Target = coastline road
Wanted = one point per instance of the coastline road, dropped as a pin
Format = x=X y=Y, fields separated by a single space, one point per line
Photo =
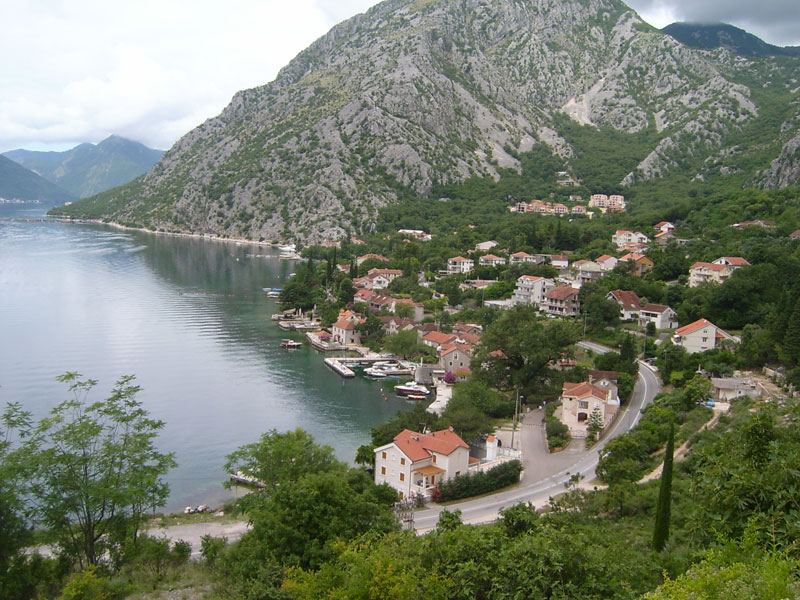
x=538 y=492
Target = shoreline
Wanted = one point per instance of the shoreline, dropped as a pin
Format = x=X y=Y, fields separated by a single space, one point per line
x=200 y=236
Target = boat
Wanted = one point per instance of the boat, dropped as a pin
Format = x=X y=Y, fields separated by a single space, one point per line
x=375 y=372
x=417 y=397
x=405 y=389
x=286 y=343
x=273 y=294
x=288 y=248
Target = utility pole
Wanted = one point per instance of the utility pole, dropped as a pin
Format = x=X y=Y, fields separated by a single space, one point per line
x=514 y=426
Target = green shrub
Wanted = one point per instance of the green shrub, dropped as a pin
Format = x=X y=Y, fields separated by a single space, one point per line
x=474 y=484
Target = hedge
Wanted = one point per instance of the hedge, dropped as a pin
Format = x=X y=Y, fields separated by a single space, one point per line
x=474 y=484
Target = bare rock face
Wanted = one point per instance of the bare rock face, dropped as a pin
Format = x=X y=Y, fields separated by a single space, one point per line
x=415 y=92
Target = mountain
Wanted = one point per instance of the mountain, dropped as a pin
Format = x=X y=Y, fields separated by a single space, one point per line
x=89 y=169
x=19 y=184
x=418 y=93
x=721 y=35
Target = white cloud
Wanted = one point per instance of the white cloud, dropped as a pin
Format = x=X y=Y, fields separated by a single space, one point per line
x=79 y=70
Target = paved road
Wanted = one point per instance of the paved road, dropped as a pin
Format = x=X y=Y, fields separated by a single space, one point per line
x=539 y=491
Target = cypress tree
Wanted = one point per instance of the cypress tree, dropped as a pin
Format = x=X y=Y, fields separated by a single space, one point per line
x=661 y=530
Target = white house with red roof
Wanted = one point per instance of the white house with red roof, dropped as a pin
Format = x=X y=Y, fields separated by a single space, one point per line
x=700 y=336
x=459 y=265
x=559 y=261
x=415 y=463
x=531 y=290
x=795 y=235
x=607 y=262
x=454 y=356
x=715 y=272
x=437 y=339
x=579 y=400
x=343 y=331
x=623 y=238
x=379 y=279
x=663 y=226
x=628 y=301
x=490 y=260
x=484 y=246
x=517 y=258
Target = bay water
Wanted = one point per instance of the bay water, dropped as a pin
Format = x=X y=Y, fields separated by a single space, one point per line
x=191 y=320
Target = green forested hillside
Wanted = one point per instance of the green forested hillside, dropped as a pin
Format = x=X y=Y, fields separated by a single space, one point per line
x=18 y=183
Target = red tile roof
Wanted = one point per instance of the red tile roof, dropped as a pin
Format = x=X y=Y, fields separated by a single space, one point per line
x=562 y=292
x=707 y=265
x=699 y=324
x=419 y=446
x=736 y=261
x=437 y=337
x=584 y=389
x=627 y=299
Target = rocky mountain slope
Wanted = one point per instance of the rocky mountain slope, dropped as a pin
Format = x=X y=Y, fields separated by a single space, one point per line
x=89 y=169
x=21 y=185
x=419 y=92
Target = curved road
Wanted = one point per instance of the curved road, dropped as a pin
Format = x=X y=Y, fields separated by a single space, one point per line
x=486 y=509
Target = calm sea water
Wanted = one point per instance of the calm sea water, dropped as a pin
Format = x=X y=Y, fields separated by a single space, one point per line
x=189 y=318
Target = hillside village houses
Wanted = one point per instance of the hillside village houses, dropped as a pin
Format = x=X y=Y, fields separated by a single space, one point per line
x=580 y=400
x=376 y=301
x=715 y=272
x=585 y=271
x=559 y=261
x=531 y=290
x=459 y=265
x=607 y=262
x=642 y=263
x=795 y=235
x=377 y=279
x=700 y=336
x=415 y=463
x=484 y=246
x=343 y=331
x=417 y=234
x=613 y=203
x=632 y=309
x=490 y=260
x=562 y=301
x=518 y=258
x=629 y=239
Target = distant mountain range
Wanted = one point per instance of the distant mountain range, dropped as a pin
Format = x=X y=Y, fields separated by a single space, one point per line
x=18 y=184
x=89 y=169
x=722 y=35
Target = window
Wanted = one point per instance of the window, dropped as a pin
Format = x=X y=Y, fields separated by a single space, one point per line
x=383 y=470
x=402 y=476
x=402 y=460
x=434 y=459
x=383 y=454
x=583 y=404
x=433 y=479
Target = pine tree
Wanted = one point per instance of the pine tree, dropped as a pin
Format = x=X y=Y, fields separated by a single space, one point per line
x=661 y=530
x=594 y=425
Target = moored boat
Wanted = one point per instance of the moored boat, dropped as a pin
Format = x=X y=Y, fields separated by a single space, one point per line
x=286 y=343
x=405 y=389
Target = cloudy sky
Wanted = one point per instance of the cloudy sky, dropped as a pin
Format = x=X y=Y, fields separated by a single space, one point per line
x=150 y=70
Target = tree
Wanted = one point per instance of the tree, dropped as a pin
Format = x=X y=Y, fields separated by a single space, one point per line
x=449 y=520
x=516 y=349
x=594 y=425
x=663 y=508
x=94 y=470
x=279 y=458
x=790 y=349
x=297 y=523
x=14 y=532
x=696 y=390
x=403 y=343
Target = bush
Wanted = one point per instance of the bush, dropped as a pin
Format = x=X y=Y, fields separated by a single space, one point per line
x=465 y=486
x=211 y=547
x=557 y=433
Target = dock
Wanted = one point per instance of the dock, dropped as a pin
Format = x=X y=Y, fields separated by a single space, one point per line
x=337 y=365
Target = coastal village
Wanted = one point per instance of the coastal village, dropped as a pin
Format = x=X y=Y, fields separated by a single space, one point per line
x=416 y=462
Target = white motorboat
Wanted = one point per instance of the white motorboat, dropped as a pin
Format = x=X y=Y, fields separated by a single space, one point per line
x=416 y=389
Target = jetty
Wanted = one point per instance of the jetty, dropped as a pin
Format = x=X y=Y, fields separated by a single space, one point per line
x=337 y=365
